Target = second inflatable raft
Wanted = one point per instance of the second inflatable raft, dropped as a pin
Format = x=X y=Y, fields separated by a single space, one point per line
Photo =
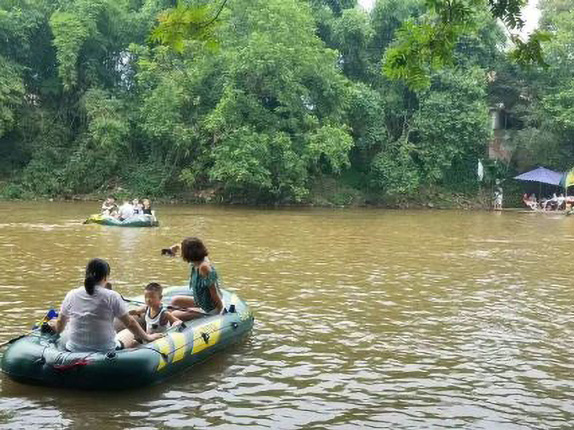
x=134 y=221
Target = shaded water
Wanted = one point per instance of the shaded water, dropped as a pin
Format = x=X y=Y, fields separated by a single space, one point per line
x=364 y=318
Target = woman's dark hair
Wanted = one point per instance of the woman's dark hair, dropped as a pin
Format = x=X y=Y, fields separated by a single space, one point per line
x=193 y=250
x=96 y=271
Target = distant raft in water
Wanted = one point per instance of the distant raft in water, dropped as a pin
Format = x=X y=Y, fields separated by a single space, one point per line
x=41 y=359
x=134 y=221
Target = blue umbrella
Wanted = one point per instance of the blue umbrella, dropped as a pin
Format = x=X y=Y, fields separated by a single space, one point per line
x=542 y=175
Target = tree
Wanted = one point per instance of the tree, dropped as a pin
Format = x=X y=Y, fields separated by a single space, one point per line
x=11 y=94
x=452 y=125
x=428 y=43
x=542 y=128
x=352 y=35
x=283 y=89
x=261 y=101
x=337 y=6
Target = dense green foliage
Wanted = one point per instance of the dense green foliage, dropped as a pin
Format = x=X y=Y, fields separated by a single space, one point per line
x=541 y=104
x=261 y=100
x=427 y=43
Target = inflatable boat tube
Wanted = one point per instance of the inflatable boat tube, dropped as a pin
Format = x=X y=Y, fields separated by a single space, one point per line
x=41 y=359
x=134 y=221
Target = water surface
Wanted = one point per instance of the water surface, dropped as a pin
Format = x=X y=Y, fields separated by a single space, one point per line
x=364 y=318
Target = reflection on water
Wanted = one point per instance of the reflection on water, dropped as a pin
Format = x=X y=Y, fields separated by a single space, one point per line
x=364 y=318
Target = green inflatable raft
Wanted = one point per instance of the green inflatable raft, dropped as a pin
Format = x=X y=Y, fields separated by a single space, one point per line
x=134 y=221
x=41 y=359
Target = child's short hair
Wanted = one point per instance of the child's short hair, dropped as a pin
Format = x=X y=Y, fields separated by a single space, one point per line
x=154 y=287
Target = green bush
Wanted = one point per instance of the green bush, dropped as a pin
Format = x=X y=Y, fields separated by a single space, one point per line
x=12 y=191
x=394 y=172
x=147 y=180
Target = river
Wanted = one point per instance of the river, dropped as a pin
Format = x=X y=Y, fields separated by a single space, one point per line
x=365 y=318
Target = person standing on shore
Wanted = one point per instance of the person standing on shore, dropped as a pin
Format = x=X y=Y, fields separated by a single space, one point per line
x=497 y=196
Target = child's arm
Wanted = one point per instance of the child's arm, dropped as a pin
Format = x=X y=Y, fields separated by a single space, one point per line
x=173 y=320
x=136 y=329
x=137 y=311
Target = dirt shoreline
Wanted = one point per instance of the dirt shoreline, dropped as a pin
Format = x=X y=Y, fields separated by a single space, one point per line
x=407 y=205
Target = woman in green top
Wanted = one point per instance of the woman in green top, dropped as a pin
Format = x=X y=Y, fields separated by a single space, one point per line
x=203 y=283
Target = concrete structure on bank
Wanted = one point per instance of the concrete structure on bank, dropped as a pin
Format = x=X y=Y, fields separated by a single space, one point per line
x=498 y=147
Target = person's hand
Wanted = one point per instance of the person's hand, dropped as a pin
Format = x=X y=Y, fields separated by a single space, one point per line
x=154 y=336
x=176 y=323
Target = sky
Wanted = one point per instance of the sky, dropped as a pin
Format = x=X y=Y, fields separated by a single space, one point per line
x=530 y=13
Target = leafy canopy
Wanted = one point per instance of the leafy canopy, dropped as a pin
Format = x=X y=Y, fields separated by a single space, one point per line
x=427 y=44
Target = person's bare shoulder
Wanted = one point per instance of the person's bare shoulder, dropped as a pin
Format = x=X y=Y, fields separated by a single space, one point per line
x=204 y=268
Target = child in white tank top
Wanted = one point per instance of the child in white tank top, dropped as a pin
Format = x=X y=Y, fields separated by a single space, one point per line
x=157 y=318
x=158 y=323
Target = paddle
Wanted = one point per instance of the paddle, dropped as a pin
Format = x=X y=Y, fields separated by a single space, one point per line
x=49 y=315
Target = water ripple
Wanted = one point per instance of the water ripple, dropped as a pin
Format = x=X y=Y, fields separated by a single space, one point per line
x=364 y=318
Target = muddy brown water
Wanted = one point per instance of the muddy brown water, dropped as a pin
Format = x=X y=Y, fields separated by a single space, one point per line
x=364 y=318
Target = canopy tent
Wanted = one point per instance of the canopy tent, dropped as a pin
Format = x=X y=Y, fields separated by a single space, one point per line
x=542 y=175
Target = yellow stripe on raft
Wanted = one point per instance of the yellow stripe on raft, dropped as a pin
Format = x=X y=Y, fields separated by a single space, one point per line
x=215 y=334
x=178 y=346
x=175 y=344
x=212 y=329
x=164 y=347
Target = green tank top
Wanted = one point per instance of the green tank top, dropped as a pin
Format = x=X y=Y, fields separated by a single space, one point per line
x=200 y=288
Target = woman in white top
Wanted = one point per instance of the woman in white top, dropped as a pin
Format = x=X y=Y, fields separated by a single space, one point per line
x=90 y=312
x=126 y=210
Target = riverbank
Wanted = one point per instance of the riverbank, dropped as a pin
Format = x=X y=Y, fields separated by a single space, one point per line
x=326 y=194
